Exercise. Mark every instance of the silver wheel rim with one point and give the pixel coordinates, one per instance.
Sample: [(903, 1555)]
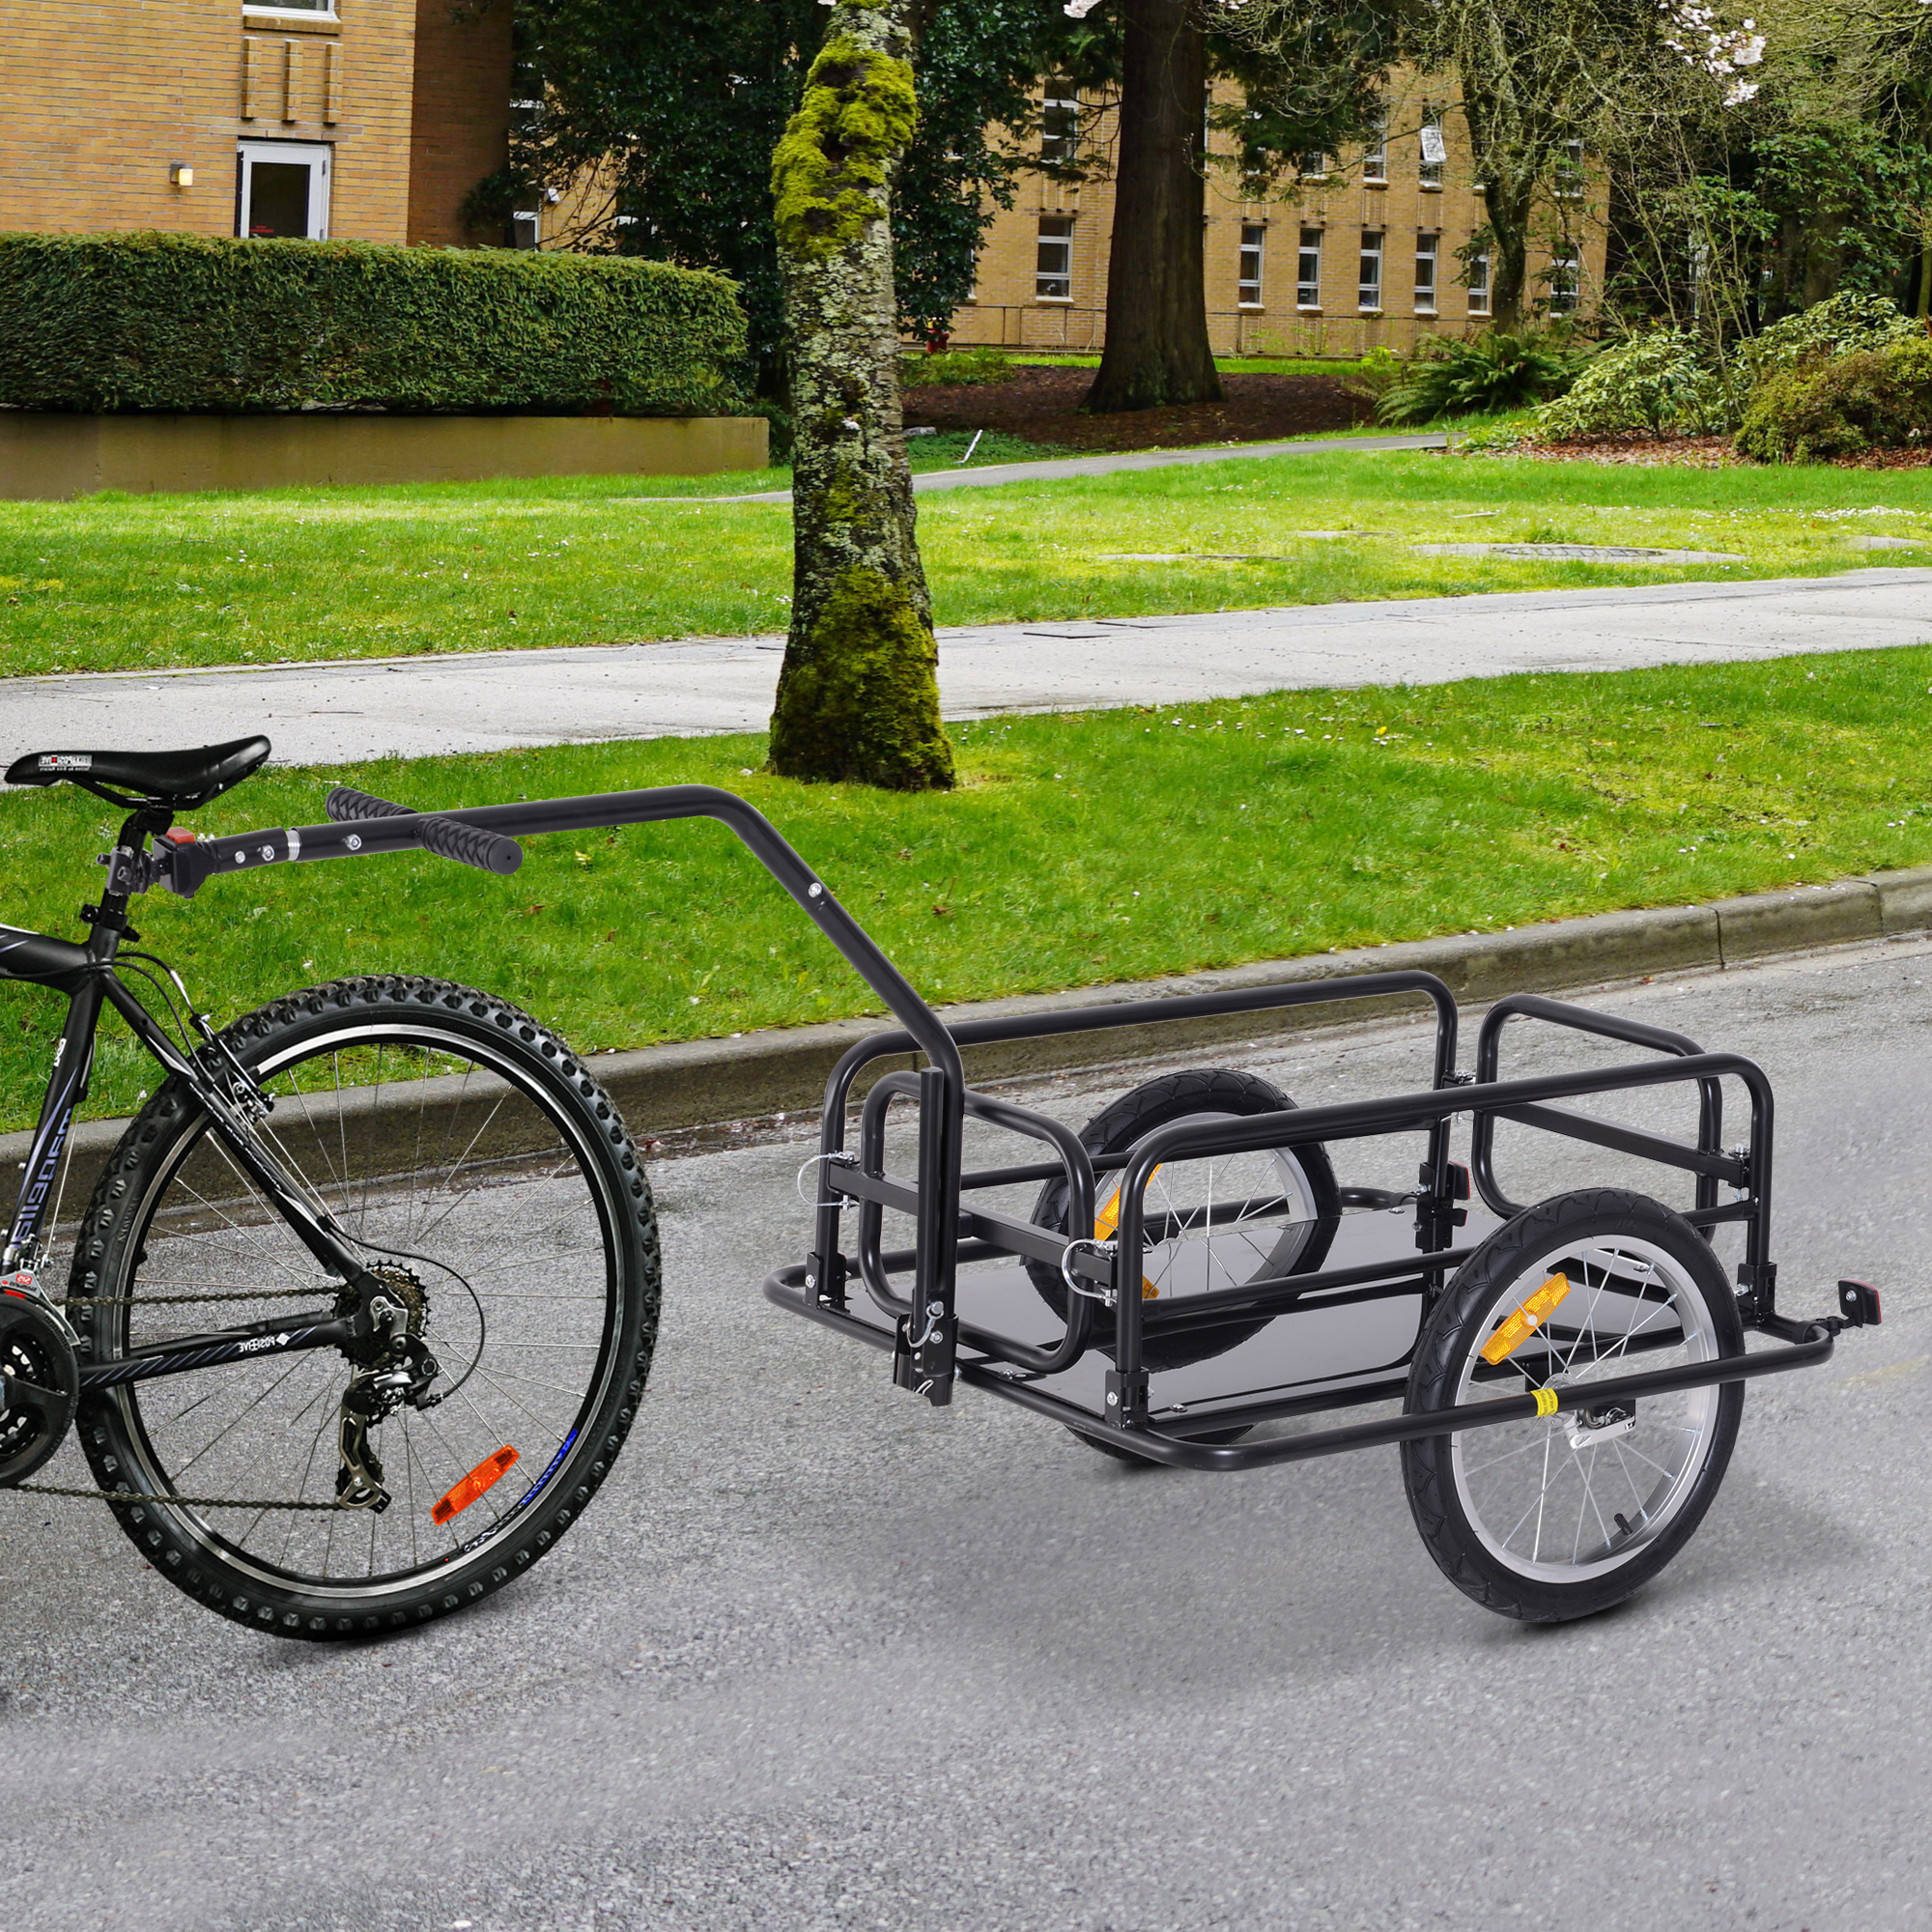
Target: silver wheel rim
[(1552, 1498), (1197, 1253)]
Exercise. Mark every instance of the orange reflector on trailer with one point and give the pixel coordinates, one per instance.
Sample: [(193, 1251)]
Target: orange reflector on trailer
[(472, 1486), (1104, 1224), (1526, 1321)]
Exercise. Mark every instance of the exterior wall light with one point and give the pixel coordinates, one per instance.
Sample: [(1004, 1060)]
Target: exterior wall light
[(180, 174)]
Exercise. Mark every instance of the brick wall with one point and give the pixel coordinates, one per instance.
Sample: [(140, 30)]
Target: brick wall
[(98, 98), (1403, 209), (460, 116)]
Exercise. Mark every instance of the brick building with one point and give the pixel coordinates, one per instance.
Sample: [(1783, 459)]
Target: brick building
[(1364, 252), (361, 118)]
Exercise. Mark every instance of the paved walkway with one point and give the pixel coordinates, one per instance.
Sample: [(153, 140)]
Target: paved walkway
[(325, 714), (1058, 467)]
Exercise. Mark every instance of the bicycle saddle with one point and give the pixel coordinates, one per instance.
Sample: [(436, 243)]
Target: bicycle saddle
[(178, 780)]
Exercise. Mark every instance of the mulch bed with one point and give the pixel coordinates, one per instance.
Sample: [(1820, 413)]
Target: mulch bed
[(1043, 405), (1695, 452)]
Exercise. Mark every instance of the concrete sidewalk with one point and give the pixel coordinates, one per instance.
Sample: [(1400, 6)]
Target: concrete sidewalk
[(330, 713), (1058, 468)]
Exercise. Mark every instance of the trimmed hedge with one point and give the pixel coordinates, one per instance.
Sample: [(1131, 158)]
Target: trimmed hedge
[(120, 323), (1874, 399)]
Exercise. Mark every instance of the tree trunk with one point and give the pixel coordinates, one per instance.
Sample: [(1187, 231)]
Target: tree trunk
[(1508, 206), (859, 693), (1156, 349)]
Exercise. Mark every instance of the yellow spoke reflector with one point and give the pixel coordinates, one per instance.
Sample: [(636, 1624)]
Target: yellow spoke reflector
[(1109, 1216), (472, 1486), (1526, 1321)]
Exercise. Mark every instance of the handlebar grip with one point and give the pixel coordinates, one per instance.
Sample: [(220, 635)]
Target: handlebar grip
[(345, 803), (446, 837), (467, 844)]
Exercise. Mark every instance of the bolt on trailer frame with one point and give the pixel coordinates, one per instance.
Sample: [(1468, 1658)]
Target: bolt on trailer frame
[(933, 1348)]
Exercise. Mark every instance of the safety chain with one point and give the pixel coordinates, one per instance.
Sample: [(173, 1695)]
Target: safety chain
[(190, 1502)]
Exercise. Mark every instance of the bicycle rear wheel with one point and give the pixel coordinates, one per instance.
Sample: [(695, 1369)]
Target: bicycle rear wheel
[(490, 1184)]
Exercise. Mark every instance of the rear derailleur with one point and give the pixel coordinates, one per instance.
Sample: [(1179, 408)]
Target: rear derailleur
[(391, 1366)]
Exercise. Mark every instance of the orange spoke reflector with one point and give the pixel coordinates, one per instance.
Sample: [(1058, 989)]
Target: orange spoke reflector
[(472, 1486), (1109, 1216), (1526, 1321)]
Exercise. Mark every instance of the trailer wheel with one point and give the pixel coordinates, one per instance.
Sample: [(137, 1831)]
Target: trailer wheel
[(1564, 1515), (1288, 1234)]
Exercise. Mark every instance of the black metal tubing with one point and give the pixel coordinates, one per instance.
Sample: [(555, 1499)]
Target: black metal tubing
[(1606, 1026), (784, 1289), (1752, 1174), (269, 1340)]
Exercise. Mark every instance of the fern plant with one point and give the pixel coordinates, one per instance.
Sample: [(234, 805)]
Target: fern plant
[(1500, 369)]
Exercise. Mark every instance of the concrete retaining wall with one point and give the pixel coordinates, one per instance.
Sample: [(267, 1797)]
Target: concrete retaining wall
[(49, 456)]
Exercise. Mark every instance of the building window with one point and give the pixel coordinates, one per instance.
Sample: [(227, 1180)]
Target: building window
[(1570, 171), (1426, 248), (1478, 283), (282, 188), (1248, 280), (1376, 155), (1308, 270), (1435, 149), (1314, 166), (1369, 295), (1052, 270), (307, 8), (1060, 124), (1566, 281)]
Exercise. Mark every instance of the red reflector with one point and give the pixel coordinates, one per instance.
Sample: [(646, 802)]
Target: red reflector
[(178, 838), (472, 1486)]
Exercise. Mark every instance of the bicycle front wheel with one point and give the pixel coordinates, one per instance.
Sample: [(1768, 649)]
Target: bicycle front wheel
[(488, 1184)]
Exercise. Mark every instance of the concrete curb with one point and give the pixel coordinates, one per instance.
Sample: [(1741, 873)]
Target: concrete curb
[(702, 1083)]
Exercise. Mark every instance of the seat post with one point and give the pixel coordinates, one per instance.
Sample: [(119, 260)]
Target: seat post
[(128, 873)]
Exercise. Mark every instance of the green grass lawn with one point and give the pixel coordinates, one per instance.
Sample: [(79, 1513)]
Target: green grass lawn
[(128, 583), (1105, 847)]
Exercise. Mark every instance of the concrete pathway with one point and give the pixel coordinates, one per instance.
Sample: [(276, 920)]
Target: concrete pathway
[(322, 714), (1058, 467)]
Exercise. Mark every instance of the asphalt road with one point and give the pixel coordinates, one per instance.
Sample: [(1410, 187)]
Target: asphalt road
[(822, 1658)]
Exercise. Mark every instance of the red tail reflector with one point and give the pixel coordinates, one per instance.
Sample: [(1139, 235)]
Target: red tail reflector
[(472, 1486)]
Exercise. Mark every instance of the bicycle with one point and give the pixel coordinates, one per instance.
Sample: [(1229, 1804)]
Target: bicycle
[(416, 1302)]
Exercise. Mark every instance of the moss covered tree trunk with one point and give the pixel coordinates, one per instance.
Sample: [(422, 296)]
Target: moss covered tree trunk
[(1156, 350), (859, 694)]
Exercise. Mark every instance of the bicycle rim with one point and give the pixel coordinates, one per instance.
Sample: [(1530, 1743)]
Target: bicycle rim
[(491, 1199)]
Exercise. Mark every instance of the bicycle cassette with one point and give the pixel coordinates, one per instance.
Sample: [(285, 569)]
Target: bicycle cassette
[(40, 1385)]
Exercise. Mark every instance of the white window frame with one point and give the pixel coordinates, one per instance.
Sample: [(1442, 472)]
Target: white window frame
[(1250, 289), (1477, 282), (1064, 236), (293, 12), (1376, 154), (321, 159), (1374, 249), (1312, 166), (1307, 286), (1062, 149), (1430, 173), (1570, 179), (1427, 250)]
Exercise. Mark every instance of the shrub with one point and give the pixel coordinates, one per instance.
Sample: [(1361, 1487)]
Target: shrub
[(1834, 327), (1500, 369), (957, 365), (138, 322), (1872, 399), (1660, 383)]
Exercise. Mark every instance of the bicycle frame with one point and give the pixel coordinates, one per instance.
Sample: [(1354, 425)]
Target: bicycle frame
[(926, 1334), (85, 976)]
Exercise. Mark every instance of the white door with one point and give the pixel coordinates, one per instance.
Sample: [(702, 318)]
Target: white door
[(282, 188)]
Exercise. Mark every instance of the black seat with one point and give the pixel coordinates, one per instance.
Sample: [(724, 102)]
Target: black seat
[(178, 780)]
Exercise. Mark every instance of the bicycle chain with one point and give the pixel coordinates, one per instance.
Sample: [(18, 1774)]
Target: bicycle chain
[(190, 1502), (175, 1300)]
